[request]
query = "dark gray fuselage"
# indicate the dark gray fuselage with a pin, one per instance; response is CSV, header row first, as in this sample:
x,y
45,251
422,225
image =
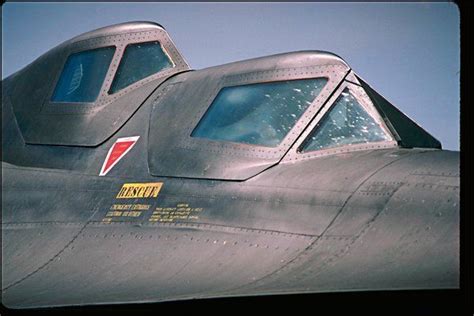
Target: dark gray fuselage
x,y
370,219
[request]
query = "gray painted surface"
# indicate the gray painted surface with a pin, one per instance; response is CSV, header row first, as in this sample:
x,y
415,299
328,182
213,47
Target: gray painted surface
x,y
364,217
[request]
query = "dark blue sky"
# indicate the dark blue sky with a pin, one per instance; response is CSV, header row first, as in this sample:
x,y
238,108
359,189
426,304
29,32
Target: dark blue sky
x,y
409,52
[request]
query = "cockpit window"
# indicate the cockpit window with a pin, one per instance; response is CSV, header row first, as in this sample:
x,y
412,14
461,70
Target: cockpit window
x,y
83,75
140,61
347,122
258,114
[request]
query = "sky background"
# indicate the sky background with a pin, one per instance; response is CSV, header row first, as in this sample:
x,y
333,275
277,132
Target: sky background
x,y
408,52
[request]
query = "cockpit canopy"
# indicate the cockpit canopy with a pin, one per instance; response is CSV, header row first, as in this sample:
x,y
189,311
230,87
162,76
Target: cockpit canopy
x,y
226,122
237,120
84,90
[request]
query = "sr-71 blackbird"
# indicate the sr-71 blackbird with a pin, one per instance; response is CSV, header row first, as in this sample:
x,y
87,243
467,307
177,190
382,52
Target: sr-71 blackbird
x,y
128,177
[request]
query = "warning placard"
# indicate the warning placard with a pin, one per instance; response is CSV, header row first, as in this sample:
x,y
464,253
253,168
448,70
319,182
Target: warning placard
x,y
139,190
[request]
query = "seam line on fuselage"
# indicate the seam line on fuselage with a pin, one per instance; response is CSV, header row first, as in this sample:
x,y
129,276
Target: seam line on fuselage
x,y
97,208
318,238
144,225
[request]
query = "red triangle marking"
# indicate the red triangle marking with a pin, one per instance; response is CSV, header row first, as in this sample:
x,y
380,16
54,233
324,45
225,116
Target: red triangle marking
x,y
118,150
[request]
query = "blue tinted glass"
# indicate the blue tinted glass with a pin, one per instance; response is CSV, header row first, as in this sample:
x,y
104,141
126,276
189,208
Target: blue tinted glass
x,y
259,114
346,123
83,75
140,61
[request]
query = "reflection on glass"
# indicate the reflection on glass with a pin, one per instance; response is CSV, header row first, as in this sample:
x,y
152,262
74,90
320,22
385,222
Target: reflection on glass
x,y
346,123
259,114
83,75
140,61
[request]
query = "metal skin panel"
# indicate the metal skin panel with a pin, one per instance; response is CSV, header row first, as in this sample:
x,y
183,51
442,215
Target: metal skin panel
x,y
84,124
76,159
409,240
181,265
307,226
365,217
